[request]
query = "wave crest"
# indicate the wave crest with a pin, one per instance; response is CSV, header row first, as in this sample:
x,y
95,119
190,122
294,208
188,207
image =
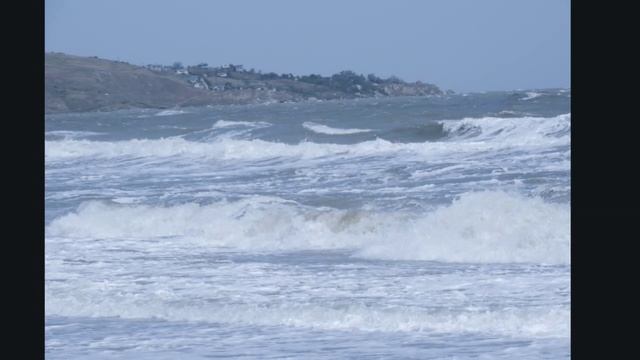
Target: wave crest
x,y
477,227
465,136
523,130
323,129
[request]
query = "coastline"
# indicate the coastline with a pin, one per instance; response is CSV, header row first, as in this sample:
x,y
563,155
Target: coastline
x,y
89,84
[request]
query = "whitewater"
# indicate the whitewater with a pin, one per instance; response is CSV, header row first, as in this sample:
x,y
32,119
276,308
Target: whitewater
x,y
409,228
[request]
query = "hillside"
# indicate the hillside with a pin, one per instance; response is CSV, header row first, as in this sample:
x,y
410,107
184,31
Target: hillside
x,y
79,84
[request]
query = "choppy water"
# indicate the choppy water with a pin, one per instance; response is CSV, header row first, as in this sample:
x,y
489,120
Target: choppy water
x,y
410,228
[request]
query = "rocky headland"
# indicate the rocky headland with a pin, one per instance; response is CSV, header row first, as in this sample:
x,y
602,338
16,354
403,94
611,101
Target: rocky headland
x,y
81,84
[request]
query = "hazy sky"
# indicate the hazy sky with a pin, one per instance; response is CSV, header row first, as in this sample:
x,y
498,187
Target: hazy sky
x,y
463,45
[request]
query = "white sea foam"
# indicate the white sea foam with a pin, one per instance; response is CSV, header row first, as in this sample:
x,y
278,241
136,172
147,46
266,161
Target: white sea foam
x,y
323,129
548,322
522,130
468,135
513,113
531,95
508,112
171,236
68,134
478,227
170,112
484,227
253,124
221,148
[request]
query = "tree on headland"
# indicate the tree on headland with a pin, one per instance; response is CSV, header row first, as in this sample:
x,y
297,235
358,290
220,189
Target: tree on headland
x,y
269,76
350,82
394,80
374,79
315,79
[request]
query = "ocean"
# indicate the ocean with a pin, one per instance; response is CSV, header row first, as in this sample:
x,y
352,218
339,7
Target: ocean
x,y
380,228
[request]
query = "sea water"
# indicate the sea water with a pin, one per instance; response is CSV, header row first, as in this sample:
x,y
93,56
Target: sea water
x,y
381,228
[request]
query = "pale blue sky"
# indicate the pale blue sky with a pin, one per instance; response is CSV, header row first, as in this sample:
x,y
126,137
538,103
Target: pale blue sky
x,y
463,45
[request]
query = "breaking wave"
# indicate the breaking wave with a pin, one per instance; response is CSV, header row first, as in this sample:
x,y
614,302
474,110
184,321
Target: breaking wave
x,y
531,95
253,124
522,130
466,135
170,112
323,129
478,227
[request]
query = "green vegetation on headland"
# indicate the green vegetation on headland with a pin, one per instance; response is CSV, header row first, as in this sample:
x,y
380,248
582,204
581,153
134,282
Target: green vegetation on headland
x,y
77,84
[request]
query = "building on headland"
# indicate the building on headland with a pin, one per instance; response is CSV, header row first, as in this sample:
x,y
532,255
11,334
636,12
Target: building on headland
x,y
159,68
198,82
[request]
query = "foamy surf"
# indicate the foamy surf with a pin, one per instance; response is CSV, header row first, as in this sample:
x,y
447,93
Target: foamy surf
x,y
323,129
522,130
531,95
170,112
537,322
467,135
442,230
68,135
485,227
231,124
